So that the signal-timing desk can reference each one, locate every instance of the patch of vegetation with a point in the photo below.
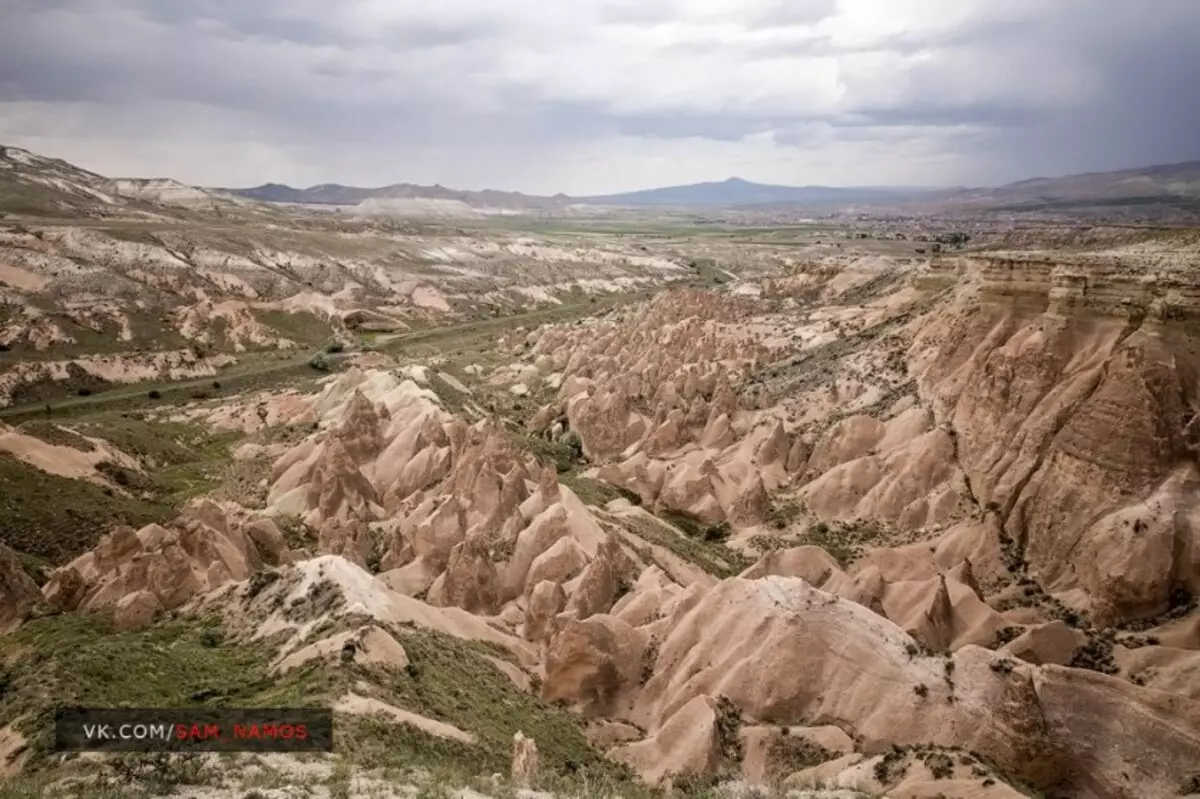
(891, 766)
(649, 659)
(450, 679)
(717, 533)
(939, 764)
(1011, 551)
(1032, 595)
(158, 773)
(57, 435)
(126, 479)
(1179, 604)
(596, 492)
(1191, 785)
(1097, 653)
(783, 513)
(566, 455)
(47, 390)
(791, 753)
(54, 519)
(844, 541)
(709, 533)
(1003, 667)
(1004, 636)
(303, 327)
(260, 581)
(79, 660)
(714, 558)
(1139, 641)
(768, 543)
(296, 534)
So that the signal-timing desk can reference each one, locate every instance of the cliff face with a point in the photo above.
(1072, 391)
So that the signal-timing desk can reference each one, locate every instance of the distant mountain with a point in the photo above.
(336, 194)
(35, 184)
(1168, 186)
(736, 192)
(726, 194)
(1153, 190)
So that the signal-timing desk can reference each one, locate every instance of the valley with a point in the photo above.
(573, 508)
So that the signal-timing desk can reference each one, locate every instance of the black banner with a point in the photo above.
(194, 730)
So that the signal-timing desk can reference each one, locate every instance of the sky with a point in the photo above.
(597, 96)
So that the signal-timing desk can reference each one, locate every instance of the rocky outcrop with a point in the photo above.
(524, 770)
(594, 664)
(137, 574)
(609, 575)
(852, 668)
(19, 594)
(546, 601)
(470, 582)
(687, 743)
(1072, 418)
(137, 610)
(1053, 642)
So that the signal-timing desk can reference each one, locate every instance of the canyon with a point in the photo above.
(688, 511)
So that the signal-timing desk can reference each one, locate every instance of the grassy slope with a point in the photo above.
(80, 660)
(451, 680)
(52, 519)
(75, 660)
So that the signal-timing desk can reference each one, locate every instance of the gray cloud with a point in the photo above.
(601, 95)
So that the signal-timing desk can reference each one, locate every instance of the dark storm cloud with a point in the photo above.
(984, 91)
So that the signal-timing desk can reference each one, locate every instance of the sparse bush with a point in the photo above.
(717, 533)
(84, 392)
(319, 362)
(334, 346)
(260, 581)
(1003, 666)
(791, 753)
(649, 658)
(1097, 653)
(781, 515)
(940, 765)
(1005, 635)
(729, 730)
(890, 766)
(921, 690)
(154, 394)
(160, 772)
(211, 638)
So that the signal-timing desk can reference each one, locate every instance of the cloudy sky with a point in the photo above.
(592, 96)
